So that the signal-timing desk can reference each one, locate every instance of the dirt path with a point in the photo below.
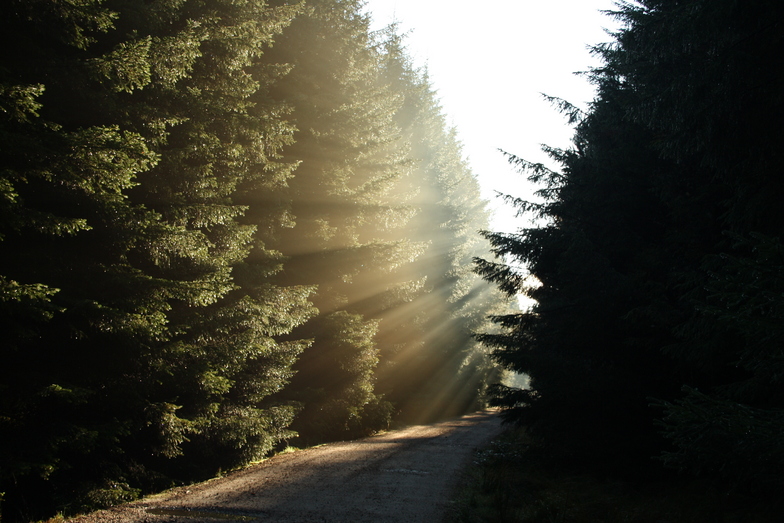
(400, 476)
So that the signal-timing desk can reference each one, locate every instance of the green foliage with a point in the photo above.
(434, 368)
(133, 352)
(659, 256)
(208, 241)
(343, 367)
(338, 231)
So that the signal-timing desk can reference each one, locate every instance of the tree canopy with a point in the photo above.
(655, 332)
(213, 232)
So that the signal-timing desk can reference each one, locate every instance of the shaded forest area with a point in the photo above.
(225, 226)
(656, 346)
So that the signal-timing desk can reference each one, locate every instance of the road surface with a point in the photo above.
(400, 476)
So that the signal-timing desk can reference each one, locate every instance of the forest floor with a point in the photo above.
(402, 475)
(509, 482)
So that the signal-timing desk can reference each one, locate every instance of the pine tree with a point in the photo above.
(343, 219)
(435, 368)
(222, 142)
(658, 254)
(142, 331)
(715, 125)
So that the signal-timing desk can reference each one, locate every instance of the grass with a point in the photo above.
(508, 483)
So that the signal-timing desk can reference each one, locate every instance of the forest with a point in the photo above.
(231, 226)
(226, 227)
(655, 347)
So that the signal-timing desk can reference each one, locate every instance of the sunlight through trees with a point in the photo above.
(223, 224)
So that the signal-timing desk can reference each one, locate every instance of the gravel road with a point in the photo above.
(400, 476)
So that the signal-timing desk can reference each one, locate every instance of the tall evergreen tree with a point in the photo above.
(658, 255)
(142, 334)
(67, 224)
(348, 158)
(715, 125)
(177, 199)
(434, 366)
(223, 144)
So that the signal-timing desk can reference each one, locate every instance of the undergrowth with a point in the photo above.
(508, 482)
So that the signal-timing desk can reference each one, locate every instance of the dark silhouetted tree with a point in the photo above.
(659, 254)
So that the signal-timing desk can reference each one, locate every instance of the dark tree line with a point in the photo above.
(224, 225)
(657, 334)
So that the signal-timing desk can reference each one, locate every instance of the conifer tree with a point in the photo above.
(80, 310)
(435, 367)
(222, 142)
(715, 125)
(342, 236)
(658, 255)
(142, 332)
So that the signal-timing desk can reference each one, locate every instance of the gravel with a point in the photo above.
(404, 475)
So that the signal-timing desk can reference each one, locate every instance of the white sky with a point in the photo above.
(489, 62)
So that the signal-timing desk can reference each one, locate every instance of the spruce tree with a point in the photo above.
(222, 141)
(658, 254)
(434, 366)
(82, 311)
(343, 219)
(713, 114)
(143, 332)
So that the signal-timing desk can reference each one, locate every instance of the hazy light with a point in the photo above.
(490, 63)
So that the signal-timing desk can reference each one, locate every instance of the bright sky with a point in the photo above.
(489, 62)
